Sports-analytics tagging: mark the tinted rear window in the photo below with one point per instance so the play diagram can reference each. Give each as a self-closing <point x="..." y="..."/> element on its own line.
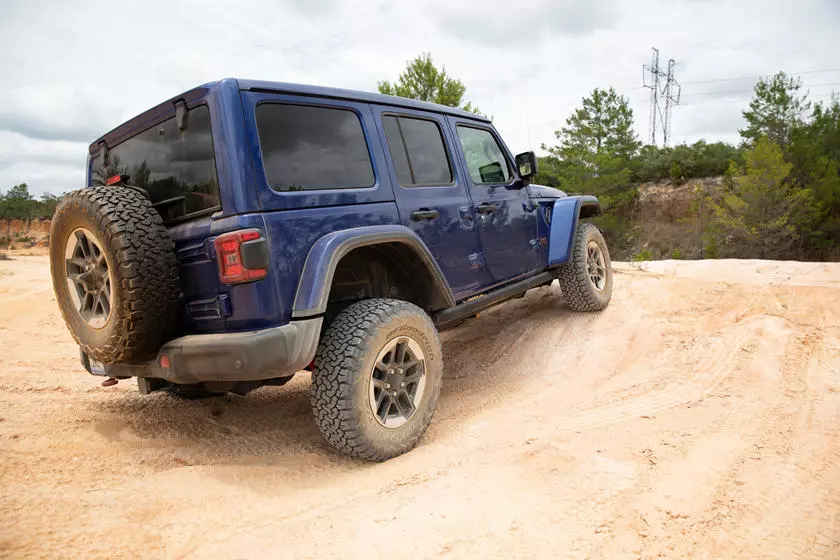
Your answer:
<point x="306" y="148"/>
<point x="171" y="165"/>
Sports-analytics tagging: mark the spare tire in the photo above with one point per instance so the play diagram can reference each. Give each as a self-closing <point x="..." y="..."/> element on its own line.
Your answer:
<point x="114" y="273"/>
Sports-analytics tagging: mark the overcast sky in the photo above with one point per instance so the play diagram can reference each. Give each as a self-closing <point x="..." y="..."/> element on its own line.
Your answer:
<point x="73" y="70"/>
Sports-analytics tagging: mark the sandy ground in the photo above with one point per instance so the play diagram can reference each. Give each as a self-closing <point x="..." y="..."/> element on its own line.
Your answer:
<point x="697" y="417"/>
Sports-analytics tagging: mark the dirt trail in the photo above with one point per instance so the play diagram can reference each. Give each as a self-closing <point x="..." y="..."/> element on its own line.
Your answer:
<point x="697" y="417"/>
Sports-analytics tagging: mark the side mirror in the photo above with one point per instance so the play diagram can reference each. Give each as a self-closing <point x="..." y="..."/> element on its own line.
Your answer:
<point x="526" y="163"/>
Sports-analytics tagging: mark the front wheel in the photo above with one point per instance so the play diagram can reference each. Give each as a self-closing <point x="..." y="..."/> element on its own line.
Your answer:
<point x="587" y="279"/>
<point x="376" y="378"/>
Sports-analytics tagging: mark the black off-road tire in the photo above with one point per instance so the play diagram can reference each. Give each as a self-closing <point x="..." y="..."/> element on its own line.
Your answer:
<point x="342" y="374"/>
<point x="144" y="273"/>
<point x="578" y="289"/>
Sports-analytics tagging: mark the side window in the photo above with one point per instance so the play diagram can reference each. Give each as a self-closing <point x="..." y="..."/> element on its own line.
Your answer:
<point x="485" y="159"/>
<point x="417" y="150"/>
<point x="307" y="148"/>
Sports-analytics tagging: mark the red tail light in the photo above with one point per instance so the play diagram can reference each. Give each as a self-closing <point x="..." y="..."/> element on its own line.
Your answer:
<point x="242" y="256"/>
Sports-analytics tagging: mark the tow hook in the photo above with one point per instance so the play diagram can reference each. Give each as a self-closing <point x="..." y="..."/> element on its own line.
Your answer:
<point x="110" y="381"/>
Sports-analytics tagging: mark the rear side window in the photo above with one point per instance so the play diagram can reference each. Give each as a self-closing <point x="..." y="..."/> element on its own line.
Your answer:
<point x="307" y="148"/>
<point x="178" y="169"/>
<point x="485" y="159"/>
<point x="418" y="151"/>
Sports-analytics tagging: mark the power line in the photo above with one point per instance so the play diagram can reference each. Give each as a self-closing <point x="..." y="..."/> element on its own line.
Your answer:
<point x="752" y="90"/>
<point x="690" y="102"/>
<point x="817" y="71"/>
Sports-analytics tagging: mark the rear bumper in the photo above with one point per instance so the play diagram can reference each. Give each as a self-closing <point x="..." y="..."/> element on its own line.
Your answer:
<point x="244" y="356"/>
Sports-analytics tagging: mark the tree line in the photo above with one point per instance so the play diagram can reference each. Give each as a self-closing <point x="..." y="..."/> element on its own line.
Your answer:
<point x="18" y="202"/>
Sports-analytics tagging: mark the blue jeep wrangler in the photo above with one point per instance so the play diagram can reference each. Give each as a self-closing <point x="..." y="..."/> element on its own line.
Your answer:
<point x="245" y="230"/>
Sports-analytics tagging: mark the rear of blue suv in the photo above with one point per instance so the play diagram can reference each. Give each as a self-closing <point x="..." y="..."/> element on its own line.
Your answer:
<point x="245" y="230"/>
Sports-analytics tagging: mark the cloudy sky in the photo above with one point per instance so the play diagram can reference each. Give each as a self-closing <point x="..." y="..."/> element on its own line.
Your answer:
<point x="73" y="70"/>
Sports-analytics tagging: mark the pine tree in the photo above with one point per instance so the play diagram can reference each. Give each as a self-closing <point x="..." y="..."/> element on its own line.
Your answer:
<point x="776" y="109"/>
<point x="422" y="80"/>
<point x="597" y="144"/>
<point x="762" y="212"/>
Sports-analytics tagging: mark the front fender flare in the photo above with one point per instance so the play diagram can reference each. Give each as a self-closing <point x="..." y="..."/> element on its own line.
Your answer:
<point x="316" y="277"/>
<point x="565" y="215"/>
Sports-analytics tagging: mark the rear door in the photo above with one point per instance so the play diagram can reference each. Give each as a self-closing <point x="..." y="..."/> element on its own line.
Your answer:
<point x="505" y="221"/>
<point x="432" y="194"/>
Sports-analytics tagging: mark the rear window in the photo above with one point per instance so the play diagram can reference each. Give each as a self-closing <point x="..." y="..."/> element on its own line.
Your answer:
<point x="308" y="148"/>
<point x="178" y="169"/>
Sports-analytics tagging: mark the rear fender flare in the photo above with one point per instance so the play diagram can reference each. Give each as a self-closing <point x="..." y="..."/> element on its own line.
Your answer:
<point x="565" y="215"/>
<point x="317" y="275"/>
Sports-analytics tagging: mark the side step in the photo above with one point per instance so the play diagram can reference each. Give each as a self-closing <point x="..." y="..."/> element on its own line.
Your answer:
<point x="452" y="315"/>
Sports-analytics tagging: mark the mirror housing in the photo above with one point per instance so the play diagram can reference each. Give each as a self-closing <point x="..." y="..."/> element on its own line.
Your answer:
<point x="526" y="164"/>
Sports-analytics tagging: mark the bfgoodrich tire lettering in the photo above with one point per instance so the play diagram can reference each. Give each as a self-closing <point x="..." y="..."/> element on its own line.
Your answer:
<point x="575" y="277"/>
<point x="144" y="273"/>
<point x="343" y="369"/>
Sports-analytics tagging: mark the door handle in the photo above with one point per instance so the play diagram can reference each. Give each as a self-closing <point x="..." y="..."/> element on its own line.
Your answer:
<point x="424" y="214"/>
<point x="485" y="208"/>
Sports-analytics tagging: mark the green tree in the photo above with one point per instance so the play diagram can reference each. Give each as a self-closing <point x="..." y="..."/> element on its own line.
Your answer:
<point x="597" y="144"/>
<point x="17" y="202"/>
<point x="424" y="81"/>
<point x="777" y="108"/>
<point x="814" y="151"/>
<point x="763" y="210"/>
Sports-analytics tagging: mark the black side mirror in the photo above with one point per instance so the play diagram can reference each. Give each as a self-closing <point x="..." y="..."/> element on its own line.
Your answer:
<point x="526" y="163"/>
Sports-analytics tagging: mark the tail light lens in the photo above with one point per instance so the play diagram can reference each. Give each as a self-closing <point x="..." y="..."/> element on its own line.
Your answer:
<point x="242" y="256"/>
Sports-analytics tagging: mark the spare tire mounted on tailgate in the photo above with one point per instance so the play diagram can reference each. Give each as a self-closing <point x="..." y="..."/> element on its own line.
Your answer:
<point x="114" y="272"/>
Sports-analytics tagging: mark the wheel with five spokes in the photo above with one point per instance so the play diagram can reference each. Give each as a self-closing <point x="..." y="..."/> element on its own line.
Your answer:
<point x="376" y="378"/>
<point x="587" y="279"/>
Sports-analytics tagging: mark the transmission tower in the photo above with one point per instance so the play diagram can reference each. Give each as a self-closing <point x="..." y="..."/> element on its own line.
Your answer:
<point x="664" y="89"/>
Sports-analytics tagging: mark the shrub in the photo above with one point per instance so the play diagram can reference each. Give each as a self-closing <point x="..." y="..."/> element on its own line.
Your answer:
<point x="643" y="255"/>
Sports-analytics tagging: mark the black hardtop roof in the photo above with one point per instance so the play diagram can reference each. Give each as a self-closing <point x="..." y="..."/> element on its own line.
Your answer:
<point x="164" y="110"/>
<point x="350" y="94"/>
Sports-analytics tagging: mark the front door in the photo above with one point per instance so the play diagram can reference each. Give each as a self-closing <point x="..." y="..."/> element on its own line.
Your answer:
<point x="506" y="222"/>
<point x="432" y="195"/>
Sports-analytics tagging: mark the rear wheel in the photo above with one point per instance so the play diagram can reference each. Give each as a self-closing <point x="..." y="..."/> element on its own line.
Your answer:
<point x="587" y="279"/>
<point x="376" y="378"/>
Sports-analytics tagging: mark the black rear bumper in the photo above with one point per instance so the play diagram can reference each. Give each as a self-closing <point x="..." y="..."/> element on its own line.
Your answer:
<point x="243" y="356"/>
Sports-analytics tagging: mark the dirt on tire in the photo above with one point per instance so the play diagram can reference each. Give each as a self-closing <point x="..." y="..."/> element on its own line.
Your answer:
<point x="695" y="417"/>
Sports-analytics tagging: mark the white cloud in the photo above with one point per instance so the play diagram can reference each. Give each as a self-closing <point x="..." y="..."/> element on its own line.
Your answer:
<point x="72" y="72"/>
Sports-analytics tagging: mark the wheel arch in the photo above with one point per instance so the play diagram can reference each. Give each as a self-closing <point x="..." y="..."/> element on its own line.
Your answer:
<point x="397" y="245"/>
<point x="565" y="215"/>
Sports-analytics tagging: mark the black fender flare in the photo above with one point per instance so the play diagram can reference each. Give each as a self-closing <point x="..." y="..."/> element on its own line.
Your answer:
<point x="317" y="275"/>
